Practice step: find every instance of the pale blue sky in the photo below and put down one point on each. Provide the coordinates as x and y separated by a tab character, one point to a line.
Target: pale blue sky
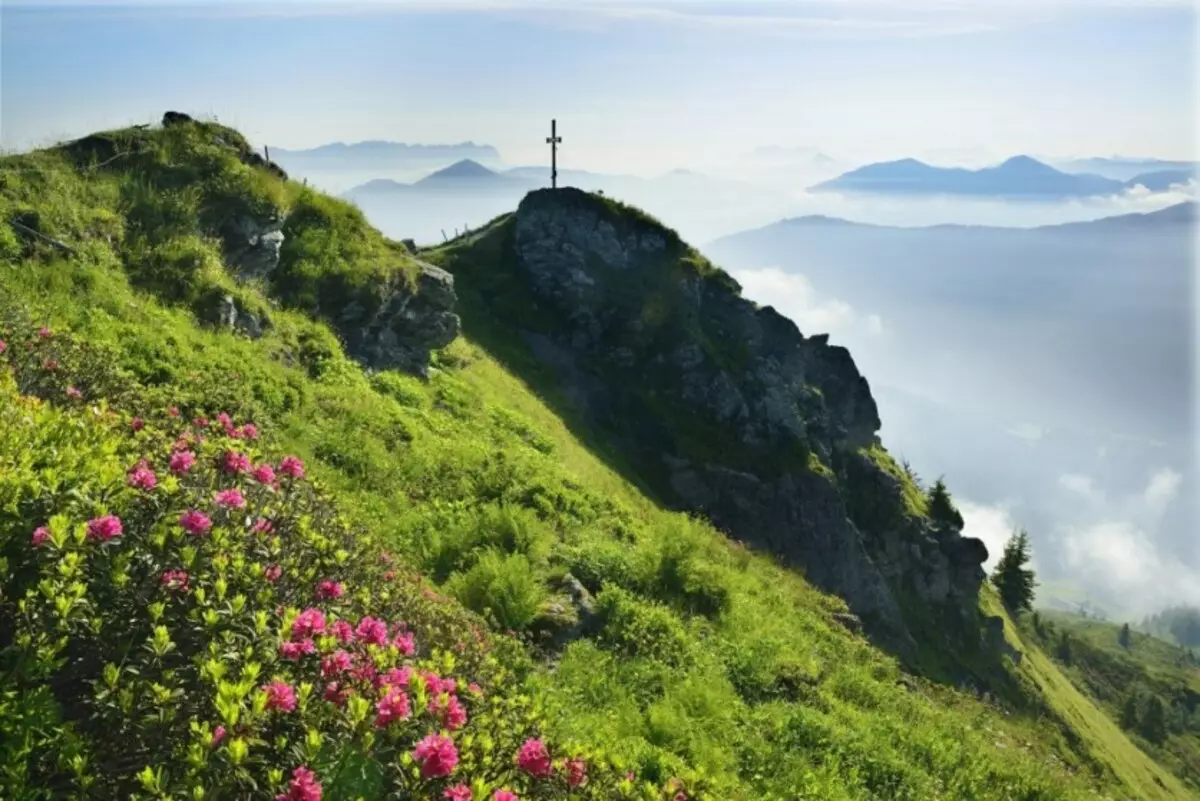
636	85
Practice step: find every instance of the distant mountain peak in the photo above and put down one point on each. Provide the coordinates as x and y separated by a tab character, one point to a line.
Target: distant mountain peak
1027	164
465	168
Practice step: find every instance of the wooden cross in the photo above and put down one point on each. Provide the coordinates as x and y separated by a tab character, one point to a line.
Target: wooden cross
554	140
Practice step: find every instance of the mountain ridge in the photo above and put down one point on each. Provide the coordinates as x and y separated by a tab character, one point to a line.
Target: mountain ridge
1018	176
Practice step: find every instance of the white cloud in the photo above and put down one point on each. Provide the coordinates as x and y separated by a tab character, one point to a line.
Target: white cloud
1120	557
1028	431
992	524
793	295
1082	486
1163	487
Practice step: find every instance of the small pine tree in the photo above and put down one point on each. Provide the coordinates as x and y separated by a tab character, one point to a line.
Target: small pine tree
1154	721
1012	579
1063	649
1125	637
1129	712
941	507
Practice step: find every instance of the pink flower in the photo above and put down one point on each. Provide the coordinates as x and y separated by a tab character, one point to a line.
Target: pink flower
576	770
3	346
250	431
294	650
173	411
534	759
235	462
680	796
436	755
40	535
142	477
437	685
73	393
44	333
342	630
195	522
505	795
264	474
175	580
335	693
230	499
137	424
225	421
404	642
337	662
217	736
393	706
329	589
292	467
459	792
371	631
272	573
181	462
200	422
50	365
397	677
263	526
308	623
475	689
104	528
280	695
449	711
304	787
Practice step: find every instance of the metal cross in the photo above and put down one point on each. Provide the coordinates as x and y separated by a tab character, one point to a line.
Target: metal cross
554	140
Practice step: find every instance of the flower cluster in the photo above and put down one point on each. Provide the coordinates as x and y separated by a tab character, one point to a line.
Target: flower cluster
201	549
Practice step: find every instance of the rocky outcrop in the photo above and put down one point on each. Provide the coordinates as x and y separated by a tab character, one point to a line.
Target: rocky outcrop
727	409
406	326
252	246
226	311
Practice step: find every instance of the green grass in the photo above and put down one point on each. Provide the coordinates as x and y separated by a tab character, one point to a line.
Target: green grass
1111	675
702	658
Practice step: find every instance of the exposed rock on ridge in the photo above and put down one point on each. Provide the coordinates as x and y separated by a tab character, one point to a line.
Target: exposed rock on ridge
727	408
390	309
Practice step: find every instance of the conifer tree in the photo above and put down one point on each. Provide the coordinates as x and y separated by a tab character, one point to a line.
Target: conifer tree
1129	714
1125	638
941	507
1012	577
1154	720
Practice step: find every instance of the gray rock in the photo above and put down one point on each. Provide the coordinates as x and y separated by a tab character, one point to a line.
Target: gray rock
228	312
252	246
726	401
407	325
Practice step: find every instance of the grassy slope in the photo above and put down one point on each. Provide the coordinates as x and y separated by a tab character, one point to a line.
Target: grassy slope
764	694
1110	674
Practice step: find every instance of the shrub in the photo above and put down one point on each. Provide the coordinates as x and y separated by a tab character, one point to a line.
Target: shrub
187	615
503	586
639	628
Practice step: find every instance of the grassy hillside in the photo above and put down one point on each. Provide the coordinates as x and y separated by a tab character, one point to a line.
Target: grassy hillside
639	640
1151	687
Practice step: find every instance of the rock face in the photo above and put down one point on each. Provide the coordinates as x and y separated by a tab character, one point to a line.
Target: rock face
252	246
406	326
728	410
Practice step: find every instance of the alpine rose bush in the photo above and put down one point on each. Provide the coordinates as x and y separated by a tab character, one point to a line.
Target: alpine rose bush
186	625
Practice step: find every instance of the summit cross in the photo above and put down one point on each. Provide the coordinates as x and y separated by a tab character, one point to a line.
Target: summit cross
554	140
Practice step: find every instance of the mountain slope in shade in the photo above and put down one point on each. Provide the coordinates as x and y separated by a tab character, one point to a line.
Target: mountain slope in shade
1018	177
